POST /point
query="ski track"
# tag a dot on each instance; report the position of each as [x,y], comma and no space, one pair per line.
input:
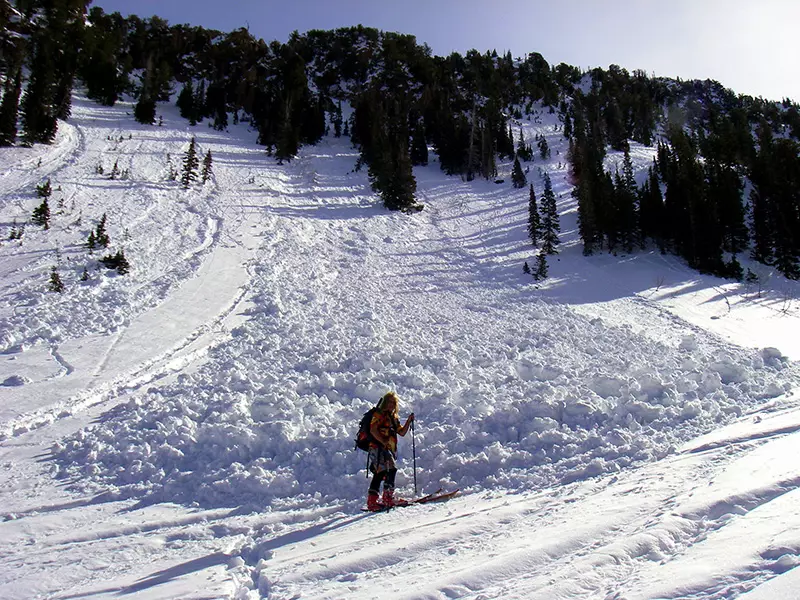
[428,299]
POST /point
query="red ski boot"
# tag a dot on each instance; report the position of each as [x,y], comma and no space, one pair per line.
[373,503]
[389,500]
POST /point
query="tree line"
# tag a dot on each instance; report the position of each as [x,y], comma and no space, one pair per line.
[723,182]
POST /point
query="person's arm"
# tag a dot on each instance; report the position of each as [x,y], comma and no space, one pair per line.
[404,429]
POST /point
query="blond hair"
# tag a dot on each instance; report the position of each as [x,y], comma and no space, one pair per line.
[387,397]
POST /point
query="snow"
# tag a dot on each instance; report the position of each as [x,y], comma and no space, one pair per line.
[626,429]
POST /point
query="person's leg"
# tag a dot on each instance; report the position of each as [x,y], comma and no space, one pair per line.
[388,484]
[378,475]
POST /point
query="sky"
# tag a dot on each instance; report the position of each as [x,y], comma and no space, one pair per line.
[750,47]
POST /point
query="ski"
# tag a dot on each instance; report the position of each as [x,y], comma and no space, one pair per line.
[437,496]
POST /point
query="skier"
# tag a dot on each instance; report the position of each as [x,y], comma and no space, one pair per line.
[385,427]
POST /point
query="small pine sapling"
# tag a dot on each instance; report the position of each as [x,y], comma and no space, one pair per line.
[55,285]
[85,274]
[91,243]
[115,170]
[526,269]
[44,190]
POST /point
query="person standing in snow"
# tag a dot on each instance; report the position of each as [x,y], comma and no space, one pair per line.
[384,428]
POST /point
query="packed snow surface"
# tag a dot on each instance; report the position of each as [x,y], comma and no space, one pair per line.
[625,429]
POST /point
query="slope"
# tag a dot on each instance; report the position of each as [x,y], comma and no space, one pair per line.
[267,311]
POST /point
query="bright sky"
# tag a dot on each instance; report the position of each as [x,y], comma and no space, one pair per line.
[751,47]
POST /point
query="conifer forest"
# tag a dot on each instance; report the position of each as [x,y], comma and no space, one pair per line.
[726,180]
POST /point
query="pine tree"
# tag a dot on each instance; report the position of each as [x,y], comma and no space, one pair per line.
[91,242]
[185,102]
[9,110]
[39,121]
[651,210]
[550,221]
[625,204]
[117,261]
[44,189]
[123,266]
[55,285]
[145,110]
[41,215]
[207,167]
[217,105]
[534,220]
[526,269]
[518,178]
[199,102]
[337,120]
[419,147]
[544,148]
[115,170]
[541,265]
[190,165]
[101,237]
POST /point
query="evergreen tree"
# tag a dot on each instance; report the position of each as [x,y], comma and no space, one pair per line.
[185,102]
[217,106]
[534,220]
[419,147]
[207,167]
[199,102]
[526,269]
[337,120]
[123,266]
[101,237]
[41,215]
[91,242]
[524,151]
[39,121]
[550,221]
[55,285]
[117,261]
[541,265]
[544,148]
[145,110]
[567,126]
[190,165]
[518,178]
[651,210]
[9,109]
[44,189]
[734,269]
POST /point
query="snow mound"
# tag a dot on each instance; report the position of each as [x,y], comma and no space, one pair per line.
[272,416]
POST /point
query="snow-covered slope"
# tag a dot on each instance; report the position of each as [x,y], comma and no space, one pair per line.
[186,430]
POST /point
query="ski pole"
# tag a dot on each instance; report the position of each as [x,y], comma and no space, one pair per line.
[414,454]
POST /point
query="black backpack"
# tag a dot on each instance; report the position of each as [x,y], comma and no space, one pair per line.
[364,437]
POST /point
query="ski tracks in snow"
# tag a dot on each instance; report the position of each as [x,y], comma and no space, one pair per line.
[625,537]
